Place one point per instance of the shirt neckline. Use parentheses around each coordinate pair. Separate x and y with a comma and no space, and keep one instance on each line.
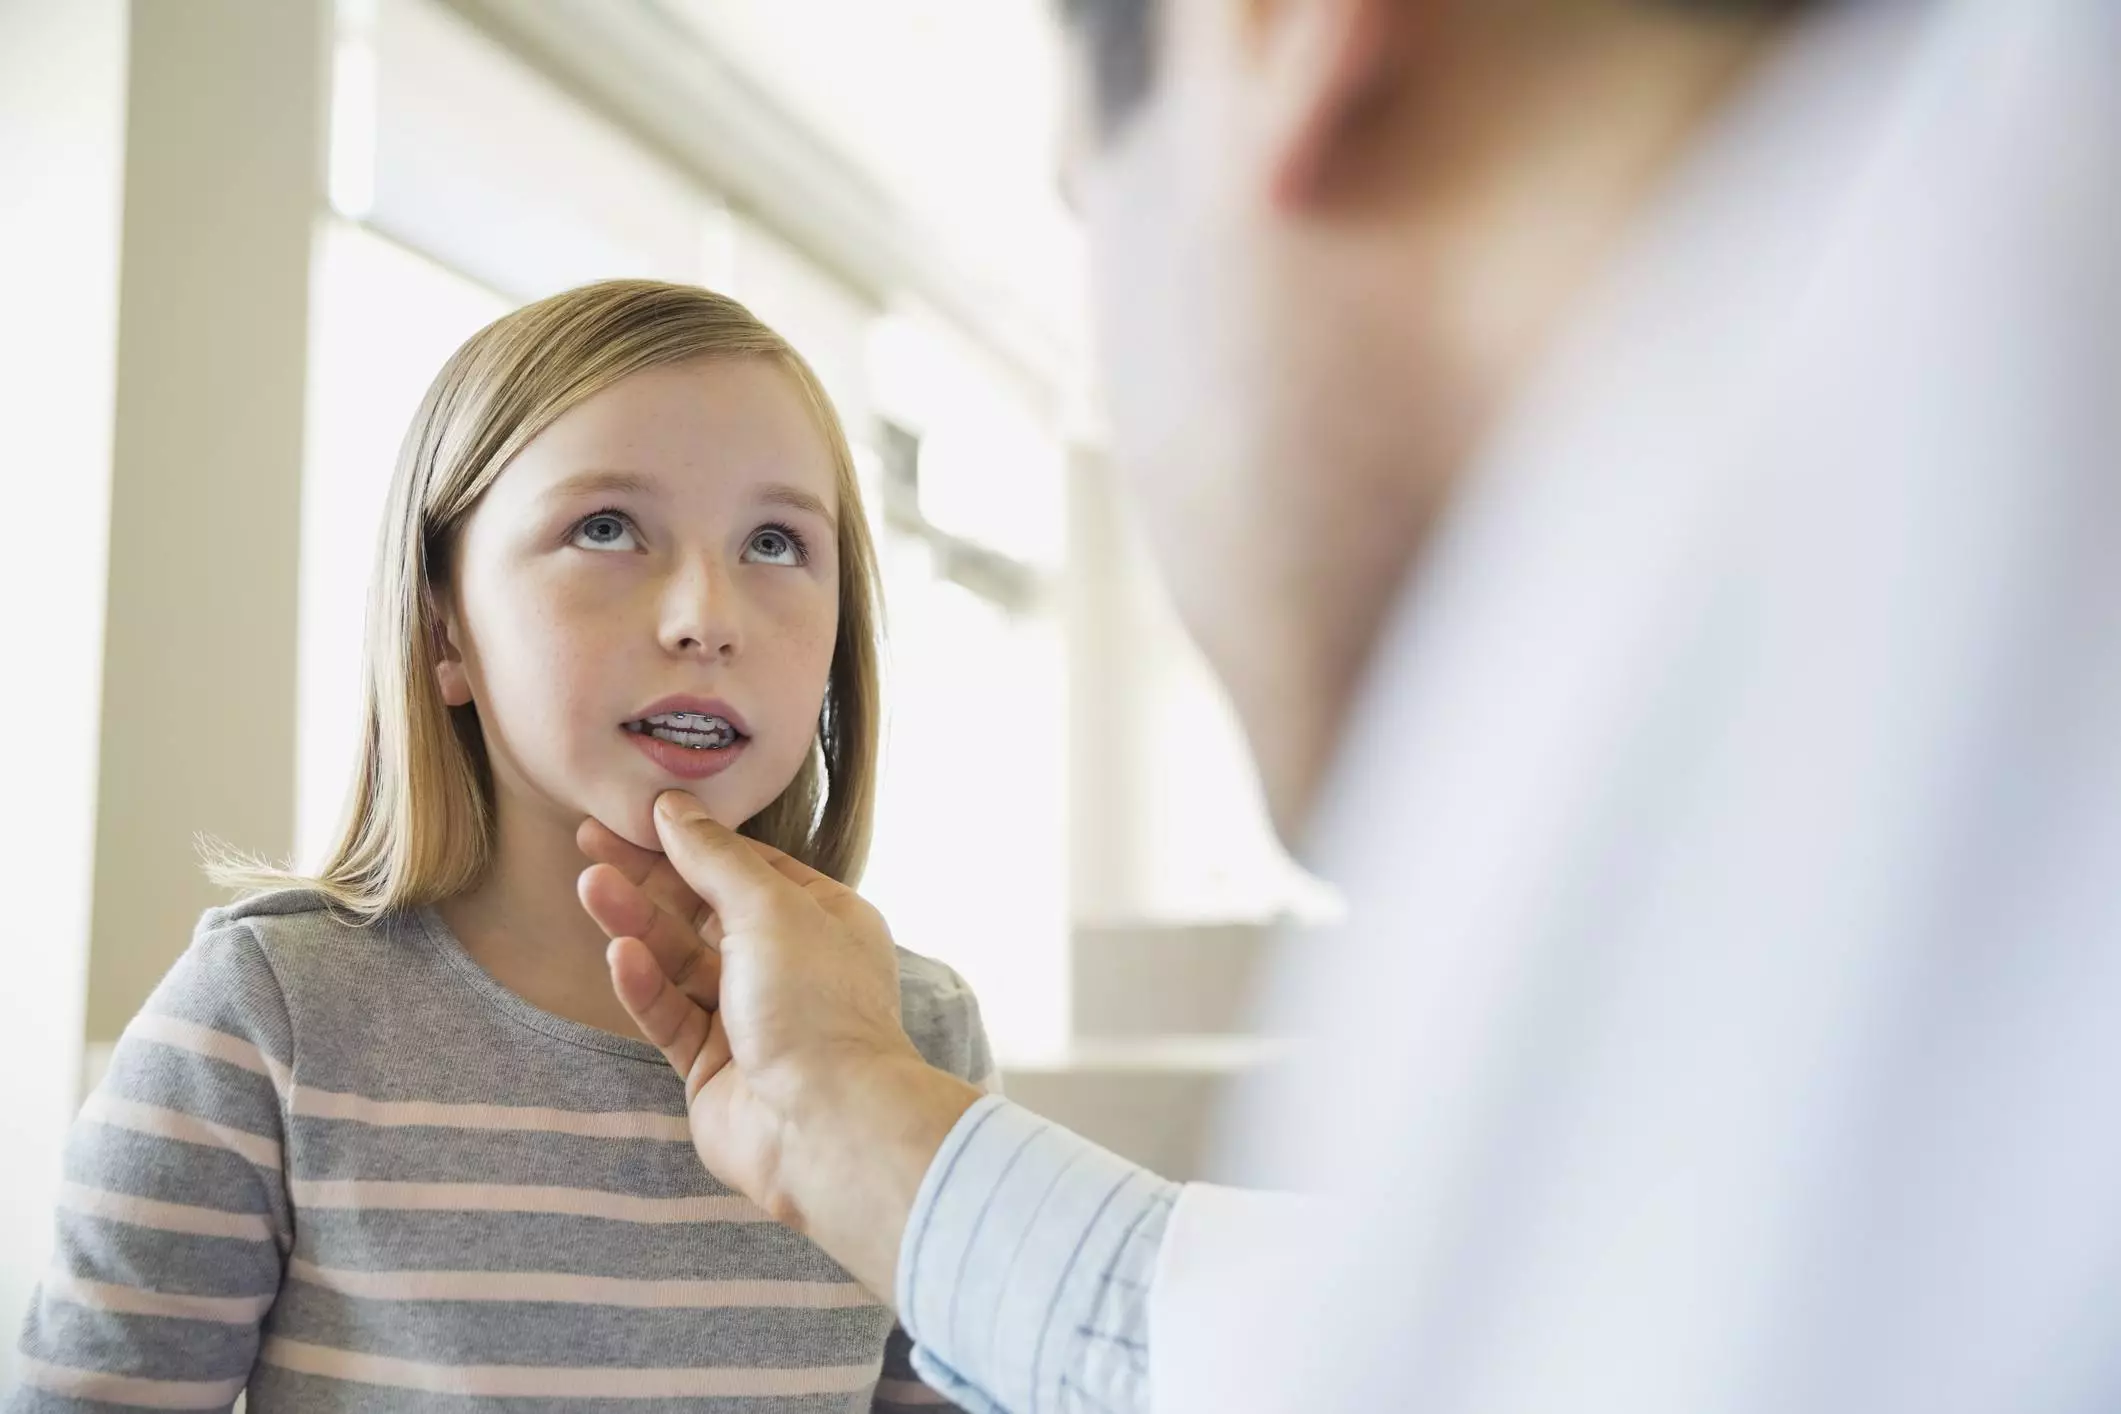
(436,934)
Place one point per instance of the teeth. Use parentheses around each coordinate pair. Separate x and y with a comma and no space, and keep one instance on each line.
(688,721)
(697,730)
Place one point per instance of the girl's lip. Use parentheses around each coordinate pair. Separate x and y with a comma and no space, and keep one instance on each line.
(688,763)
(703,706)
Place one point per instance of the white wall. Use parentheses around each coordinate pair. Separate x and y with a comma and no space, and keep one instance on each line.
(224,177)
(62,130)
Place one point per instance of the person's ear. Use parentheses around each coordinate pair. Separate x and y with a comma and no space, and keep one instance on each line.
(447,650)
(1323,66)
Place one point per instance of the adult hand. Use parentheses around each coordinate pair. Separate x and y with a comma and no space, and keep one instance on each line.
(637,893)
(774,992)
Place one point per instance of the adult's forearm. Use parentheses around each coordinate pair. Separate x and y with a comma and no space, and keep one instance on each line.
(1026,1267)
(1018,1253)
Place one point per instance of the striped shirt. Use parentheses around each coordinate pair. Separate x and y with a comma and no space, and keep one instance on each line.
(1025,1270)
(344,1169)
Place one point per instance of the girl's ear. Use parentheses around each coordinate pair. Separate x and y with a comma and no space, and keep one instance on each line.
(450,673)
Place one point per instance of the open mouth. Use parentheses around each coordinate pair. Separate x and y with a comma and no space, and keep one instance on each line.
(695,731)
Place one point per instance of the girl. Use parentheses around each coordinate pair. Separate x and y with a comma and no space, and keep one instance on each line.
(384,1138)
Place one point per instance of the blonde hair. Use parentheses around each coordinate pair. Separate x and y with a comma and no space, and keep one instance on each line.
(419,822)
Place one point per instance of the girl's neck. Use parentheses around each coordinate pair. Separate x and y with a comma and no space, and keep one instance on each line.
(524,925)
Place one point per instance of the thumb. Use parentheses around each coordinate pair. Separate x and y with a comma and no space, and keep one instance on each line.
(716,861)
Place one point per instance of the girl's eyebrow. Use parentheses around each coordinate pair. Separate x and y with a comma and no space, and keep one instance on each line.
(796,498)
(773,493)
(586,483)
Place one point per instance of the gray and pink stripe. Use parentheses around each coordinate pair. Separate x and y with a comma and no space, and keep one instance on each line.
(341,1168)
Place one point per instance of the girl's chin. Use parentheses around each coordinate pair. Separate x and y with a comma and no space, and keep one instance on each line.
(636,827)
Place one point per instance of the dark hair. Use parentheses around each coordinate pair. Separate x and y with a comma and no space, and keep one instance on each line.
(1119,39)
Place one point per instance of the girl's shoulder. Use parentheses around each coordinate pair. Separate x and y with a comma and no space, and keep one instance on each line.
(942,1017)
(287,933)
(286,963)
(255,968)
(279,916)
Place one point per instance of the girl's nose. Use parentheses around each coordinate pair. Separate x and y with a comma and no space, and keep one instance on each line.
(700,617)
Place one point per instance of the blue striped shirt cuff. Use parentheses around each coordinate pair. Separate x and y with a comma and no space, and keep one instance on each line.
(1025,1271)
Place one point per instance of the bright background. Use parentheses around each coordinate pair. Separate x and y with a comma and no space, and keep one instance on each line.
(199,458)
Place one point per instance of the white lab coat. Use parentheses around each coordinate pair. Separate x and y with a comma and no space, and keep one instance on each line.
(1729,1012)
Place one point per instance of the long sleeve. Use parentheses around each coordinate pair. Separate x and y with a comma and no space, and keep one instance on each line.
(945,1019)
(1024,1278)
(173,1219)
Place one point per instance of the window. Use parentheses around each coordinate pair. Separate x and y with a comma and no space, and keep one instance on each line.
(465,184)
(972,849)
(382,322)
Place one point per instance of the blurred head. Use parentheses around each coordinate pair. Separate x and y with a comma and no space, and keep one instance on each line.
(624,553)
(1327,239)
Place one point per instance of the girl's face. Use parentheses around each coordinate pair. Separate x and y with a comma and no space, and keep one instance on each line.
(647,598)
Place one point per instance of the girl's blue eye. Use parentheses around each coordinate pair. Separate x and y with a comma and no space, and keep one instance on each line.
(606,530)
(775,545)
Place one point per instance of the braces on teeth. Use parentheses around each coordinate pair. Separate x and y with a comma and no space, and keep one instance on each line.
(691,729)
